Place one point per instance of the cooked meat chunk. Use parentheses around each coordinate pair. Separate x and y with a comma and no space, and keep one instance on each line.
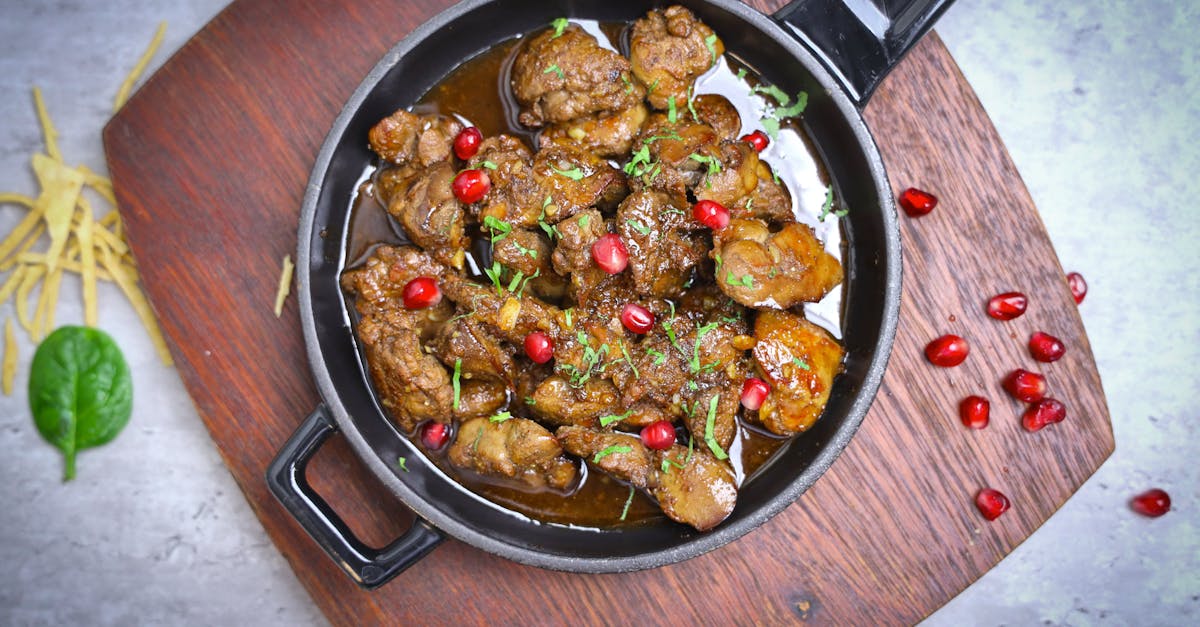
(412,385)
(716,111)
(605,136)
(731,173)
(561,77)
(480,398)
(661,252)
(669,49)
(782,270)
(477,352)
(516,449)
(620,455)
(671,156)
(722,403)
(507,315)
(379,283)
(560,403)
(404,137)
(799,360)
(770,200)
(573,257)
(430,214)
(700,491)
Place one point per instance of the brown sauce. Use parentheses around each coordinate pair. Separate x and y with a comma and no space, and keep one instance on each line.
(477,92)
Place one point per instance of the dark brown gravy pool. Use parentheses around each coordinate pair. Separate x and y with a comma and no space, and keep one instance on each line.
(478,91)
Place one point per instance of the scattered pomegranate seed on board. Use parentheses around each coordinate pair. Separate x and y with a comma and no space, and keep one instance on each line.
(1044,412)
(991,503)
(471,186)
(974,411)
(1026,386)
(421,292)
(1045,347)
(1007,306)
(466,143)
(947,351)
(1151,503)
(916,202)
(610,253)
(1078,286)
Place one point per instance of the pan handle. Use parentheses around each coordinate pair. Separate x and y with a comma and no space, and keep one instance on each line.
(370,568)
(860,41)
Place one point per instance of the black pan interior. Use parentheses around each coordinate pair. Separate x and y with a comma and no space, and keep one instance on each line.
(871,286)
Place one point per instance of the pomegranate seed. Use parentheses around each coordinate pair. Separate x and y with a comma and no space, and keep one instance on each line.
(421,292)
(1152,503)
(754,392)
(1026,386)
(466,143)
(1007,306)
(917,202)
(1078,286)
(947,351)
(1044,412)
(757,140)
(974,411)
(711,214)
(659,436)
(1045,347)
(991,503)
(539,347)
(434,435)
(637,318)
(610,254)
(471,186)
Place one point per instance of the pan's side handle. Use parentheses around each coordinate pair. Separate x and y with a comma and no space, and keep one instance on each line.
(860,41)
(370,568)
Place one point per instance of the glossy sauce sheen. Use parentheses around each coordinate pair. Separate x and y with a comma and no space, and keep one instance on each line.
(477,92)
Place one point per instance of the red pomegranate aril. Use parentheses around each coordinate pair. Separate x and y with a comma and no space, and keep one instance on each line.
(1078,286)
(711,214)
(466,143)
(1045,347)
(1044,412)
(610,253)
(754,392)
(1007,306)
(1151,503)
(947,351)
(434,435)
(1026,386)
(421,292)
(991,503)
(637,318)
(471,186)
(917,202)
(539,347)
(974,411)
(659,436)
(758,140)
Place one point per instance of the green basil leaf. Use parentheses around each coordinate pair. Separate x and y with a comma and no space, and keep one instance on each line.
(80,391)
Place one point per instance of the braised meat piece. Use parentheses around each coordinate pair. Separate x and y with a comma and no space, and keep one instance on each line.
(661,252)
(799,360)
(559,402)
(480,398)
(770,200)
(558,77)
(517,449)
(669,49)
(716,111)
(695,489)
(730,173)
(431,216)
(477,353)
(760,269)
(620,455)
(378,285)
(605,136)
(721,405)
(404,137)
(507,315)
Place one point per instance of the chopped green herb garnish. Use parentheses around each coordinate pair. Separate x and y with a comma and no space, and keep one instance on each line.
(771,126)
(711,42)
(628,85)
(516,281)
(629,360)
(691,441)
(694,363)
(712,163)
(670,329)
(478,436)
(778,94)
(659,358)
(582,338)
(557,70)
(528,252)
(800,363)
(637,165)
(529,400)
(773,273)
(551,230)
(745,281)
(628,501)
(719,260)
(741,73)
(612,450)
(567,313)
(691,97)
(796,109)
(494,274)
(584,220)
(670,210)
(638,226)
(672,115)
(826,208)
(500,230)
(559,25)
(402,463)
(501,417)
(652,87)
(575,174)
(611,418)
(456,381)
(709,424)
(489,165)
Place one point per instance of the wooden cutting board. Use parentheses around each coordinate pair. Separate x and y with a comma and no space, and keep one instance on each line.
(210,161)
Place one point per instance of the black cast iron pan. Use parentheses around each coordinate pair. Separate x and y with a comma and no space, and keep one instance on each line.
(836,50)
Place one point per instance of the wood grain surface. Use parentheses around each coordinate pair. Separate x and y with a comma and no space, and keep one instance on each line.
(210,161)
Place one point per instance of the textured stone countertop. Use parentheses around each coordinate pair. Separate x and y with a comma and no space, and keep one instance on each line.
(1099,103)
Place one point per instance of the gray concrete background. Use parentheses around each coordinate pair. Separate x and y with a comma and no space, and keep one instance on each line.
(1098,103)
